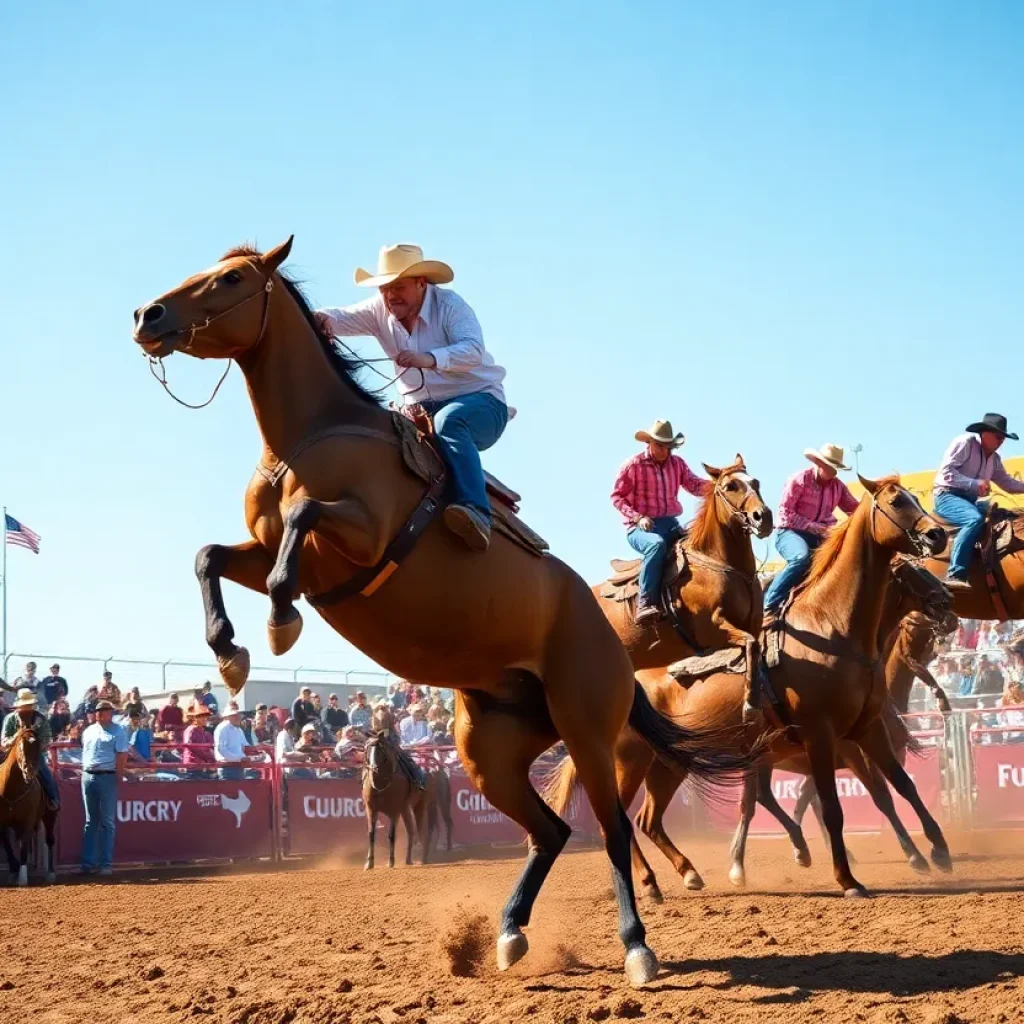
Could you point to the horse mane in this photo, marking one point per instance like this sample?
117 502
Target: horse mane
705 523
346 367
826 555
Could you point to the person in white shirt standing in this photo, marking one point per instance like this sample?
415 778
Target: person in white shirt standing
230 749
437 346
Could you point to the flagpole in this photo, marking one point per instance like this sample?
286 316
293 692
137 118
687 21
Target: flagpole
3 664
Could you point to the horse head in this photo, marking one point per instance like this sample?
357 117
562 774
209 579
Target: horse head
380 762
219 313
898 522
738 497
27 751
919 591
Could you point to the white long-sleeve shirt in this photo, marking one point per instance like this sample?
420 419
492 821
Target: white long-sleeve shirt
229 742
413 731
446 327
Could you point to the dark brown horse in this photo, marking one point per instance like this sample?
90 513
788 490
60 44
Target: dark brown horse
828 677
331 503
23 806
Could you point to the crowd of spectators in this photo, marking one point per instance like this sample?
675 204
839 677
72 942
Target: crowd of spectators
197 738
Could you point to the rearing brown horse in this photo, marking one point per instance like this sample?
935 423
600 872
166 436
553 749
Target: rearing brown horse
519 636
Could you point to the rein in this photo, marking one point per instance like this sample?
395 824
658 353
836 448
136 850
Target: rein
370 769
156 362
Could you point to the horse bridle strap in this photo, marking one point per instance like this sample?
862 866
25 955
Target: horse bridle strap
369 580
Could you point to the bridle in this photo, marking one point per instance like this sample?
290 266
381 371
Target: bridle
737 512
194 328
911 532
371 767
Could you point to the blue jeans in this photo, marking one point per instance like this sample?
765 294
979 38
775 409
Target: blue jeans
969 515
47 781
653 545
465 426
231 772
796 547
100 795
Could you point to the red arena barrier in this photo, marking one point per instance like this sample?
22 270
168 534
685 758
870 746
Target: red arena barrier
998 755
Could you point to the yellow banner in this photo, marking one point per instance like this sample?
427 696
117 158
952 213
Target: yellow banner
921 485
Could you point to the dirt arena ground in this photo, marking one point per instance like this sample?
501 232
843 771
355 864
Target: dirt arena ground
332 945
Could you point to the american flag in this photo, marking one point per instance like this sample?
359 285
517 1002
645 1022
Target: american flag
21 535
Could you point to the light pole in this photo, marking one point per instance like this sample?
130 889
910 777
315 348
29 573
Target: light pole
857 449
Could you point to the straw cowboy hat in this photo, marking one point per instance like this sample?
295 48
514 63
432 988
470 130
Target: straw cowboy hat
661 431
403 260
197 710
830 455
994 422
25 699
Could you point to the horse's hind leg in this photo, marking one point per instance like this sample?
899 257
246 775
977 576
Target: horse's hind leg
876 744
738 851
878 790
371 826
248 564
633 758
51 846
7 836
766 798
410 834
662 783
497 750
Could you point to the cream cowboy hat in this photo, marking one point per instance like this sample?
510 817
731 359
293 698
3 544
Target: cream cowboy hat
403 260
830 455
25 699
661 431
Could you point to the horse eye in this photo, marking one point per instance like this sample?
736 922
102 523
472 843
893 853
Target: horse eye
232 277
898 502
732 486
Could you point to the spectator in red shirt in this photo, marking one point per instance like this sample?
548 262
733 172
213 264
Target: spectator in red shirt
646 492
170 719
197 739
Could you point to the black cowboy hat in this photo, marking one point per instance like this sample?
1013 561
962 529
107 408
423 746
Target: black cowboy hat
994 422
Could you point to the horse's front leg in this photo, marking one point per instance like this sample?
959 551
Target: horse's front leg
248 564
349 523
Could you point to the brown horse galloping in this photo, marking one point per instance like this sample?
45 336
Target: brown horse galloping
518 635
828 678
23 806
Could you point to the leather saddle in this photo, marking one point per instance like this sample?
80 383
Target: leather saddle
422 459
624 584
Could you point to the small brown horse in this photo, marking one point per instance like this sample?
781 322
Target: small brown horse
828 678
388 790
519 636
23 806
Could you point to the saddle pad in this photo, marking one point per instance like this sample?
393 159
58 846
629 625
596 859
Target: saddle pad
508 524
729 659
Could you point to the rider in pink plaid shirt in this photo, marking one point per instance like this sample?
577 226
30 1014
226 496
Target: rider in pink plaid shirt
646 492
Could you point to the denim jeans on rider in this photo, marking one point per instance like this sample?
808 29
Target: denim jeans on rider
653 545
465 426
100 795
969 514
796 547
47 781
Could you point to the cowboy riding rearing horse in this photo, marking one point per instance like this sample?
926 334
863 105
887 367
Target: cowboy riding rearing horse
434 332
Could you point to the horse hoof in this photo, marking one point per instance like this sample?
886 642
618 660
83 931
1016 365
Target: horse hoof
653 893
802 857
858 892
282 638
738 876
512 947
941 859
919 864
23 877
234 671
641 966
368 866
693 881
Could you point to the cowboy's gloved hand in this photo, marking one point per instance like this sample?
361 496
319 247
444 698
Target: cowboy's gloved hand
420 360
645 523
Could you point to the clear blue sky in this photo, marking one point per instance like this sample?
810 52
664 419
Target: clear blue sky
775 224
